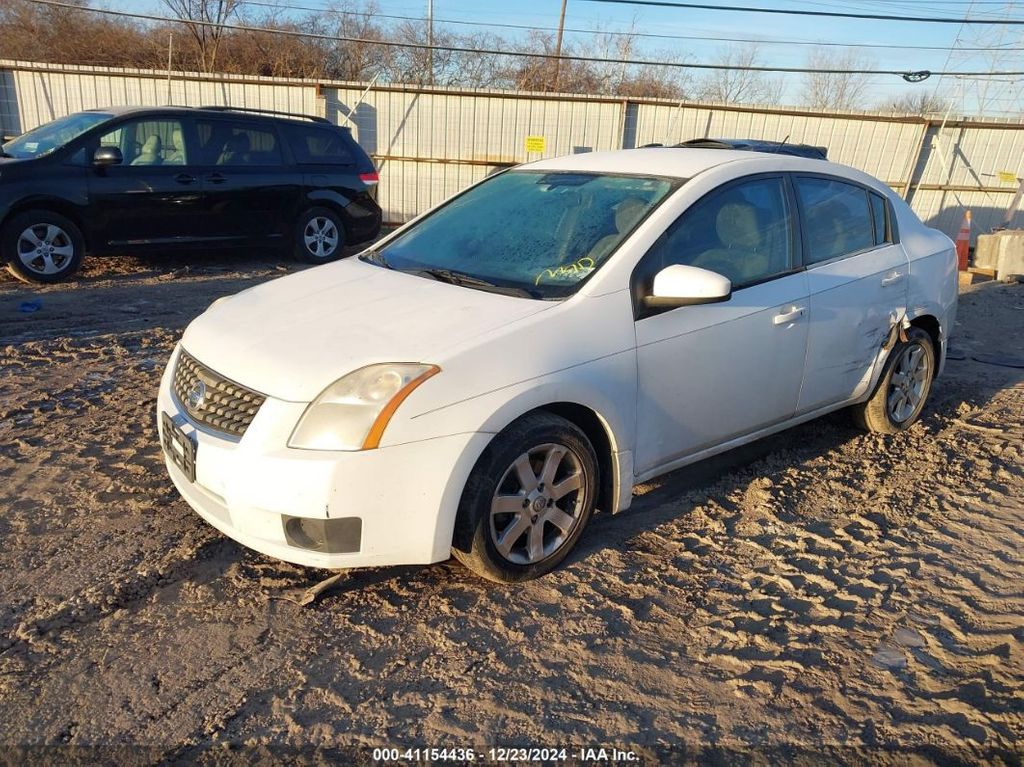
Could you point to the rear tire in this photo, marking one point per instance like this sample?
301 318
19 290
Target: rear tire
40 246
319 236
527 500
903 388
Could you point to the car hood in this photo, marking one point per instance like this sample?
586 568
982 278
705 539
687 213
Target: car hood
292 337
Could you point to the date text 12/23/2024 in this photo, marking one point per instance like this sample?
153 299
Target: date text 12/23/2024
586 754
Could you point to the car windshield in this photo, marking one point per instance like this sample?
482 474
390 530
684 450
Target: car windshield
527 232
53 135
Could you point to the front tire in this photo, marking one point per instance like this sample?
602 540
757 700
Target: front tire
319 236
41 246
902 390
527 500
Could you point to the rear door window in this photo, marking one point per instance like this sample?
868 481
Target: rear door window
837 218
232 144
320 146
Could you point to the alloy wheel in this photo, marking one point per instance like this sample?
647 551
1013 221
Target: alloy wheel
538 504
321 236
908 383
45 248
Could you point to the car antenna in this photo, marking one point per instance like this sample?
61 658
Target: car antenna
782 143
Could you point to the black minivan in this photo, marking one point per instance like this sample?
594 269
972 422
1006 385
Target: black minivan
122 180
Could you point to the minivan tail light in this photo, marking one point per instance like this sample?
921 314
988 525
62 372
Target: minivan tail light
370 178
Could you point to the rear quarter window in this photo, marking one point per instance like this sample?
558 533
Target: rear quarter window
320 146
883 232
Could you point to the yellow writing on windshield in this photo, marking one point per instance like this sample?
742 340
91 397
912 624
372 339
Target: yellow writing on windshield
577 269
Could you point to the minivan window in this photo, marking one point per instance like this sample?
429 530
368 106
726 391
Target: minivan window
539 232
319 146
743 232
148 142
53 135
238 144
836 217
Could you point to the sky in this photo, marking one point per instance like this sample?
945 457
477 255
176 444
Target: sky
785 40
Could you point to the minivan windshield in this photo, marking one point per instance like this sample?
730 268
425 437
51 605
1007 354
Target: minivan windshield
533 233
53 135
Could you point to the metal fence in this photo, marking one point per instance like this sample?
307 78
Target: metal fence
430 142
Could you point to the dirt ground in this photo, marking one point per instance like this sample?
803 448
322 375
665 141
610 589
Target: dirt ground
823 595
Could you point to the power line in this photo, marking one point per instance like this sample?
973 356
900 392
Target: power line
796 12
906 75
615 33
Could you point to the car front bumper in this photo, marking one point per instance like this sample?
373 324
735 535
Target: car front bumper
405 496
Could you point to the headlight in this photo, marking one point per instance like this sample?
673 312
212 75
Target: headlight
352 413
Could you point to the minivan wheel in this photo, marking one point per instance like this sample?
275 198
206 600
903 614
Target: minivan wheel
903 388
527 500
42 246
320 236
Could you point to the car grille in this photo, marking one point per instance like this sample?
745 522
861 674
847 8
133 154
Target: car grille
212 400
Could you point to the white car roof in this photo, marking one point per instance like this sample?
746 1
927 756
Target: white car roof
676 162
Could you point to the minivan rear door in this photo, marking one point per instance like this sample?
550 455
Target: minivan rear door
252 188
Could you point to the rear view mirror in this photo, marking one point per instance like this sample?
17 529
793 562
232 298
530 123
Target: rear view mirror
106 156
680 285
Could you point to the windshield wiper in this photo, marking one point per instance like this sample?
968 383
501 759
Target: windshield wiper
469 281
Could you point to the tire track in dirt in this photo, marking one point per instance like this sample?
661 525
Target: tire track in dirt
820 589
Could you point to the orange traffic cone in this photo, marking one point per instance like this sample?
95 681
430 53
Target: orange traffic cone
963 242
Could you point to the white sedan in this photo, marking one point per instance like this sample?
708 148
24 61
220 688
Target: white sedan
482 380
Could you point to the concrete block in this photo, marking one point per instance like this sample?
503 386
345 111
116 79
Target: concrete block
986 251
1002 252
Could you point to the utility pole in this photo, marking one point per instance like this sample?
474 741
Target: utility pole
558 46
170 55
430 41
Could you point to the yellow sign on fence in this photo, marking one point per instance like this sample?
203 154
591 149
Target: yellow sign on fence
535 144
1004 175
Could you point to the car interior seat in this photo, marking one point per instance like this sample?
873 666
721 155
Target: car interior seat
741 255
627 214
150 153
175 154
235 149
826 237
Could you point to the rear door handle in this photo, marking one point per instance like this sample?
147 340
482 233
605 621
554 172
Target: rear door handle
185 178
791 316
892 278
216 178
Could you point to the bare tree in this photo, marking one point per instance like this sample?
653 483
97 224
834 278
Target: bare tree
205 20
835 90
922 103
60 35
355 61
650 81
739 85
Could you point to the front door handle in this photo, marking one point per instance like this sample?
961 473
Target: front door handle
185 178
892 278
216 178
792 315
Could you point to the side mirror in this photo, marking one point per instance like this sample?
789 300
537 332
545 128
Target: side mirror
106 156
680 285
